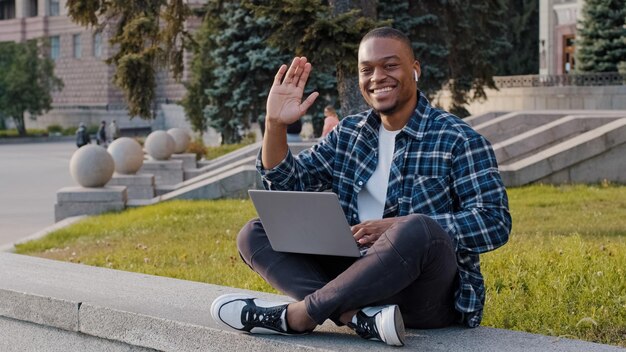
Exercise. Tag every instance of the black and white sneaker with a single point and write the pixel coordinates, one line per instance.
(252, 315)
(382, 323)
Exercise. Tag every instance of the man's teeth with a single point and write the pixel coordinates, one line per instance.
(386, 89)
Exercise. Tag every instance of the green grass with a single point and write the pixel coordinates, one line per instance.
(562, 273)
(190, 240)
(29, 132)
(215, 152)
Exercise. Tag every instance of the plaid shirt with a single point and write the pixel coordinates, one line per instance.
(441, 168)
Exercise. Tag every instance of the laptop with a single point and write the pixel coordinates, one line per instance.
(305, 222)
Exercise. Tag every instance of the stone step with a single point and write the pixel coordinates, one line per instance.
(57, 306)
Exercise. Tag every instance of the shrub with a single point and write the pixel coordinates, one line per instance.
(197, 147)
(55, 128)
(69, 131)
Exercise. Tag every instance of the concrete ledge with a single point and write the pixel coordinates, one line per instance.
(92, 195)
(67, 305)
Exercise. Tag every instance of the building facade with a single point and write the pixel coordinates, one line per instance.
(557, 35)
(89, 94)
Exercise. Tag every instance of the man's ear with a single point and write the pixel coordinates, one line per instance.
(417, 71)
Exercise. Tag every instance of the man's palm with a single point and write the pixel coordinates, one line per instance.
(284, 102)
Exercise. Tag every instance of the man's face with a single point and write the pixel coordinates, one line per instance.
(386, 76)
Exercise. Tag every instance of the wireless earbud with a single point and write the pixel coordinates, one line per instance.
(415, 75)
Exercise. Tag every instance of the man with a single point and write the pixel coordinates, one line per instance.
(82, 136)
(114, 130)
(101, 134)
(419, 186)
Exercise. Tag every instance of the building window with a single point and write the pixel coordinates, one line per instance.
(32, 8)
(569, 48)
(55, 47)
(97, 45)
(7, 9)
(55, 8)
(78, 49)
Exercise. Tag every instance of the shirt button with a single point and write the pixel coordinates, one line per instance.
(360, 183)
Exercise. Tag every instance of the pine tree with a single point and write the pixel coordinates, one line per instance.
(456, 42)
(422, 22)
(244, 67)
(601, 42)
(328, 35)
(477, 37)
(523, 33)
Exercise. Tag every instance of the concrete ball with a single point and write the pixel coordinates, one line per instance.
(127, 155)
(92, 166)
(181, 139)
(159, 145)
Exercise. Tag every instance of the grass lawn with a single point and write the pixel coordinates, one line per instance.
(562, 273)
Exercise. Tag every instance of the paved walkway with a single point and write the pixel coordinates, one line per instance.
(30, 175)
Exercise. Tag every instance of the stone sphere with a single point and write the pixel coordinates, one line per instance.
(127, 155)
(181, 139)
(159, 145)
(92, 166)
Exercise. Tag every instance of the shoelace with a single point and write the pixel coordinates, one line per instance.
(365, 326)
(253, 316)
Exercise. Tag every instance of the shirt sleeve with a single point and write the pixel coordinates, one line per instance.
(481, 221)
(311, 170)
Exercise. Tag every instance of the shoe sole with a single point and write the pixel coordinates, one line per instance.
(393, 326)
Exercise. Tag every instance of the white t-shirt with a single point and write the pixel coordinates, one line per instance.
(371, 199)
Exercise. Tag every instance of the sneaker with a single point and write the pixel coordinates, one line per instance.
(252, 315)
(382, 323)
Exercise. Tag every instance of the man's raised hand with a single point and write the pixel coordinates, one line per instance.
(284, 102)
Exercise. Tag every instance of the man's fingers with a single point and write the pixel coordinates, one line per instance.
(304, 73)
(293, 69)
(359, 234)
(306, 104)
(279, 75)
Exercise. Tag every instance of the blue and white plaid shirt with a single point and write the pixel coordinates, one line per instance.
(441, 168)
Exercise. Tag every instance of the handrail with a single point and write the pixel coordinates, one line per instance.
(577, 79)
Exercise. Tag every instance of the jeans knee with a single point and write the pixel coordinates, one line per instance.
(417, 230)
(250, 238)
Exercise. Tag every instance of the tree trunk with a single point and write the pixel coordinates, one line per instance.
(350, 97)
(19, 124)
(349, 94)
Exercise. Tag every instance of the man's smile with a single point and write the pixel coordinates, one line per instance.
(382, 90)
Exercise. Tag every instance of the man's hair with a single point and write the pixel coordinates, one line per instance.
(388, 32)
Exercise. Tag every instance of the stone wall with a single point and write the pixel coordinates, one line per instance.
(544, 98)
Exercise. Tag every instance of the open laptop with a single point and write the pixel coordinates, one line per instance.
(305, 222)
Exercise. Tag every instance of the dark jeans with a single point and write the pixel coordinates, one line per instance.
(413, 265)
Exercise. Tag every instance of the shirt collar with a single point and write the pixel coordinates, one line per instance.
(416, 126)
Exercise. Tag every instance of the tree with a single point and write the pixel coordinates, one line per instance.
(456, 42)
(523, 35)
(149, 35)
(422, 22)
(233, 68)
(26, 81)
(328, 35)
(472, 56)
(601, 42)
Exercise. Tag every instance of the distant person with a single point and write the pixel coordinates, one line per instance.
(293, 132)
(101, 135)
(114, 130)
(330, 120)
(82, 136)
